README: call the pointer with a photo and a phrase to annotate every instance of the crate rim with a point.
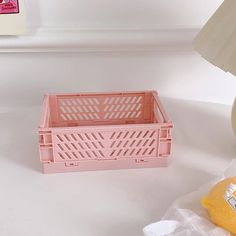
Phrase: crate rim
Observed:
(105, 127)
(101, 93)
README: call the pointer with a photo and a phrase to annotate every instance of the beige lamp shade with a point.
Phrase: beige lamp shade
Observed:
(216, 42)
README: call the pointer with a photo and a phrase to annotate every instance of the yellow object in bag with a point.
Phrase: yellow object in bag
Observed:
(221, 204)
(12, 17)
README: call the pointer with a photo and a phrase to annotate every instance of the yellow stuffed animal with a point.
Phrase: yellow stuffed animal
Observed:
(221, 204)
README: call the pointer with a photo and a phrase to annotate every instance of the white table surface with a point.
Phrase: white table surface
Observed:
(106, 203)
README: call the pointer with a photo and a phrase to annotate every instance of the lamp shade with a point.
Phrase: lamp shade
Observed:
(216, 42)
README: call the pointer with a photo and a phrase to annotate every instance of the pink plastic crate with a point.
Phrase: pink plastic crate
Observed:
(99, 131)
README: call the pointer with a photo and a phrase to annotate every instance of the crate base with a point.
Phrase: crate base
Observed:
(106, 165)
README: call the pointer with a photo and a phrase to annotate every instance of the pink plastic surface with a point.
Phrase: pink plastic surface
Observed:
(100, 131)
(9, 6)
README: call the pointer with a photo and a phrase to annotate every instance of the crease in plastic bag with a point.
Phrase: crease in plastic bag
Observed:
(186, 217)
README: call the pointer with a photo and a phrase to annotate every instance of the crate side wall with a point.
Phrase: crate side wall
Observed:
(109, 143)
(101, 109)
(165, 140)
(45, 144)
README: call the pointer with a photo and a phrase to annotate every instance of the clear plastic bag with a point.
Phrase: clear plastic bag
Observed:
(186, 217)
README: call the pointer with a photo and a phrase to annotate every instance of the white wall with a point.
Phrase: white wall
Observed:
(137, 59)
(176, 75)
(120, 13)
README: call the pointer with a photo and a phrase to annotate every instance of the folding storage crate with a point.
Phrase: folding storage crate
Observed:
(98, 131)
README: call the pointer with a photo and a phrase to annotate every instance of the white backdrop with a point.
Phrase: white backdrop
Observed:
(177, 75)
(169, 65)
(86, 14)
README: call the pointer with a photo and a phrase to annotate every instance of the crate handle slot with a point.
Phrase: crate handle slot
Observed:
(71, 164)
(141, 160)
